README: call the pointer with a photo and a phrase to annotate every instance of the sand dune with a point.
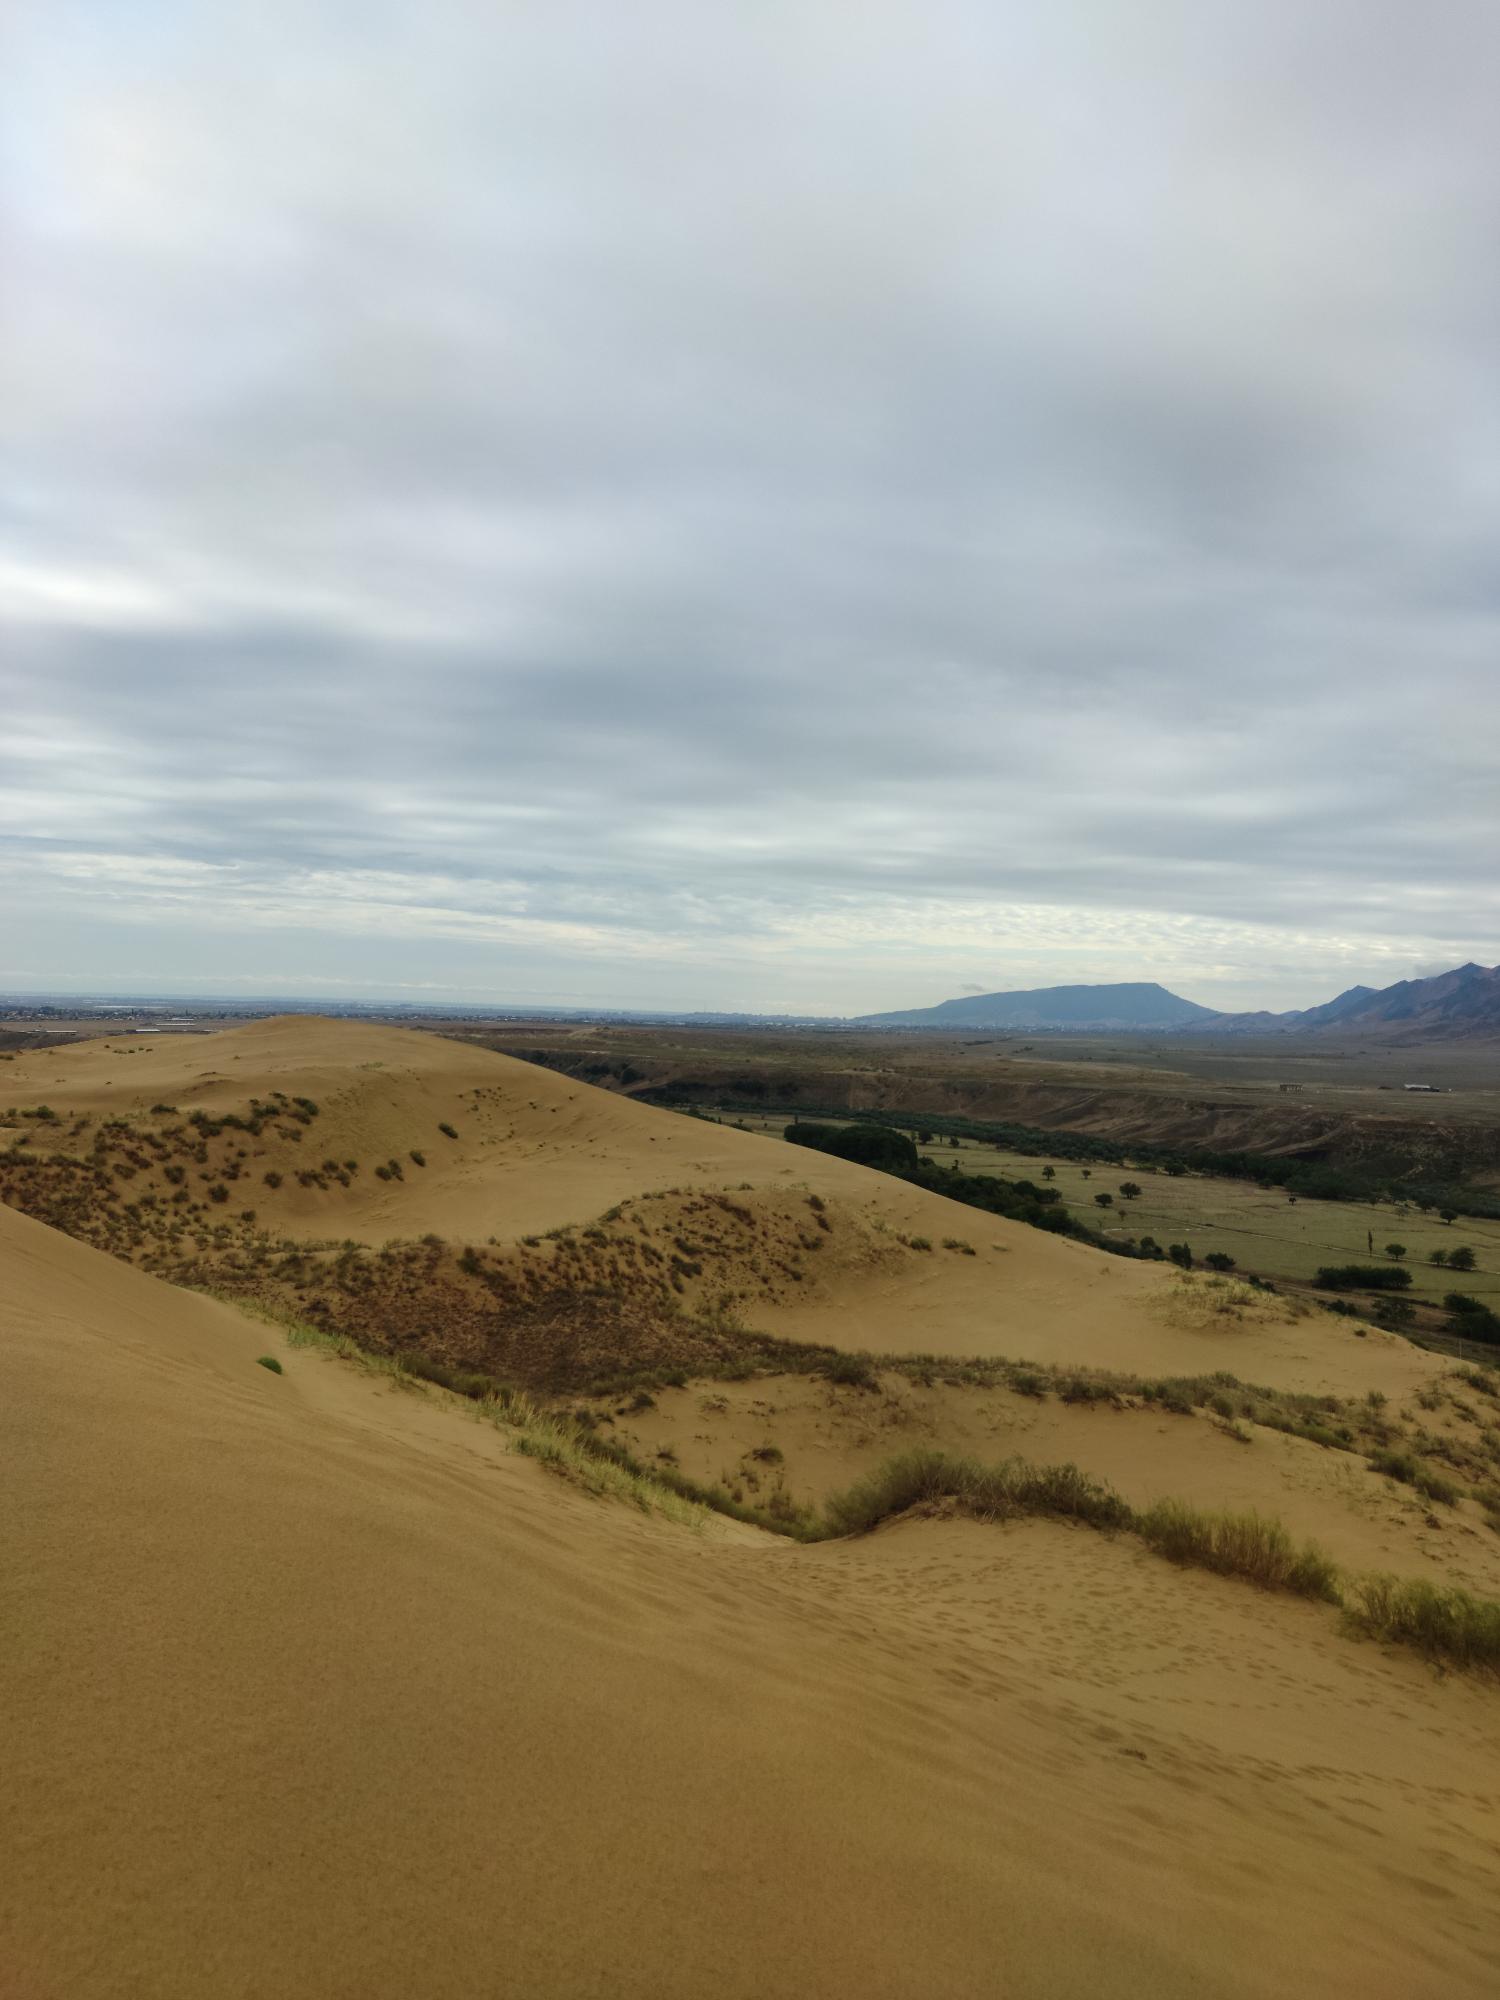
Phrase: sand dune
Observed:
(535, 1152)
(310, 1689)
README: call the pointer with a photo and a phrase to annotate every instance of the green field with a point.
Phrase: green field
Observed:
(1261, 1228)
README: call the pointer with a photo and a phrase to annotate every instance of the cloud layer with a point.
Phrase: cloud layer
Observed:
(779, 506)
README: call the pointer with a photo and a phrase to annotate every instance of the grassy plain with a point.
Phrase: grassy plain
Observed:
(1264, 1230)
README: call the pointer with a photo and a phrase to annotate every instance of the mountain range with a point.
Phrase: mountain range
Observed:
(1449, 1006)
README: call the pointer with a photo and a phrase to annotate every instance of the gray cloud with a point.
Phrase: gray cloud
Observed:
(767, 506)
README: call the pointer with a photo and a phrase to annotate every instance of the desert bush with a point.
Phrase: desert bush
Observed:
(849, 1371)
(1245, 1545)
(447, 1131)
(1410, 1470)
(988, 1493)
(1445, 1623)
(268, 1361)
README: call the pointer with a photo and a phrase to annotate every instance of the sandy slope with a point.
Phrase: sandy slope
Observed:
(536, 1151)
(828, 1437)
(312, 1691)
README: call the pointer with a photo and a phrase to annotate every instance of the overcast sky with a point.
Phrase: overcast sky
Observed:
(780, 505)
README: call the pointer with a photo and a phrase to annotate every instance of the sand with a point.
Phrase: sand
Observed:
(536, 1151)
(312, 1690)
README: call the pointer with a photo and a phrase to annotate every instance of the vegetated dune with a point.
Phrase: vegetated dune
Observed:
(337, 1134)
(804, 1438)
(311, 1689)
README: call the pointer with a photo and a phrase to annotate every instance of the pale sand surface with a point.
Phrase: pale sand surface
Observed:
(310, 1690)
(829, 1437)
(538, 1151)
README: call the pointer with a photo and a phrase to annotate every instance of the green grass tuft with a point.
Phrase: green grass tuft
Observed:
(1244, 1545)
(1445, 1624)
(986, 1493)
(268, 1361)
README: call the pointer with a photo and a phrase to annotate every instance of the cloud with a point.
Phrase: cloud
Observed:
(713, 506)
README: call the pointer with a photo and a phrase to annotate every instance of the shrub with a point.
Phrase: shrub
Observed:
(1445, 1623)
(876, 1146)
(849, 1371)
(1244, 1545)
(218, 1192)
(1461, 1258)
(988, 1493)
(919, 1242)
(1362, 1278)
(447, 1131)
(272, 1179)
(268, 1361)
(1437, 1256)
(418, 1159)
(1411, 1471)
(1180, 1255)
(1219, 1260)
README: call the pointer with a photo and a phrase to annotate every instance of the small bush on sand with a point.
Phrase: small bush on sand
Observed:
(1444, 1623)
(1406, 1467)
(1244, 1545)
(987, 1492)
(849, 1371)
(447, 1131)
(268, 1361)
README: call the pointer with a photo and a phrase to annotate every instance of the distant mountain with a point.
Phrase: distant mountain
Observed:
(1135, 1004)
(1447, 1007)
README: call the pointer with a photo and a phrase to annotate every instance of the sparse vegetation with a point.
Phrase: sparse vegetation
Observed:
(268, 1361)
(1242, 1545)
(987, 1493)
(1447, 1624)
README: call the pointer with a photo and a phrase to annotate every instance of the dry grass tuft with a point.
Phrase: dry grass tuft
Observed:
(1445, 1624)
(1243, 1545)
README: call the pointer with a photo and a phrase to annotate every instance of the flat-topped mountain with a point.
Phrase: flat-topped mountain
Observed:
(1129, 1004)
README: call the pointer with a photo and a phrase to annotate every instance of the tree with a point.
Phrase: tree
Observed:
(1049, 1173)
(1396, 1251)
(1219, 1260)
(924, 1138)
(1104, 1201)
(1087, 1175)
(1130, 1189)
(1461, 1259)
(1181, 1255)
(1437, 1256)
(1448, 1214)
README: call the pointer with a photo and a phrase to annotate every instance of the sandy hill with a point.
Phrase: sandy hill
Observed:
(313, 1689)
(286, 1158)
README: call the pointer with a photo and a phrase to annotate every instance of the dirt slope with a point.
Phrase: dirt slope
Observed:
(310, 1690)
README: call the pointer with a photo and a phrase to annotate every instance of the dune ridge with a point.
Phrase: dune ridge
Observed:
(314, 1689)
